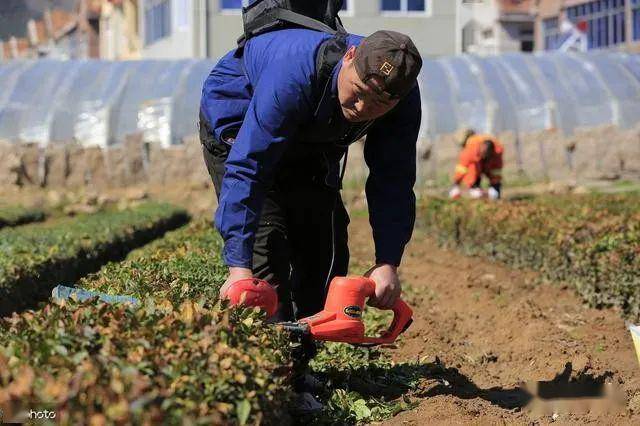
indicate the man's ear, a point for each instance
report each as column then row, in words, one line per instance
column 349, row 55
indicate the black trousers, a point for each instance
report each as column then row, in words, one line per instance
column 301, row 241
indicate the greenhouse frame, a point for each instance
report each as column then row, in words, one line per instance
column 100, row 103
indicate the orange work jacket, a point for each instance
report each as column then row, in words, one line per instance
column 470, row 167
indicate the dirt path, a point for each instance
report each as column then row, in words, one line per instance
column 485, row 328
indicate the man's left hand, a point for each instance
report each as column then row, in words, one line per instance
column 388, row 286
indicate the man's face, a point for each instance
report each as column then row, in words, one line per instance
column 361, row 101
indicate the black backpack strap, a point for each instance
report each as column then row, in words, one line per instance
column 329, row 54
column 276, row 17
column 269, row 15
column 303, row 21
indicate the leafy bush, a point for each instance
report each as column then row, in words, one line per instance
column 184, row 265
column 40, row 256
column 172, row 360
column 196, row 360
column 16, row 215
column 364, row 385
column 592, row 242
column 181, row 379
column 117, row 364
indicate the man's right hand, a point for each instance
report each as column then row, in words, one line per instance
column 235, row 274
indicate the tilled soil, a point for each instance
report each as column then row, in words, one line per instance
column 483, row 330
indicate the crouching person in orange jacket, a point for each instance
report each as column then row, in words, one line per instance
column 481, row 155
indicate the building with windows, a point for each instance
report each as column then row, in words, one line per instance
column 173, row 29
column 490, row 27
column 69, row 29
column 588, row 24
column 56, row 29
column 430, row 23
column 210, row 28
column 119, row 34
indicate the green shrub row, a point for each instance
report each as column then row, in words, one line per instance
column 184, row 265
column 17, row 215
column 591, row 241
column 37, row 257
column 177, row 358
column 364, row 384
column 154, row 364
column 193, row 359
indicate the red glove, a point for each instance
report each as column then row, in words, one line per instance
column 254, row 292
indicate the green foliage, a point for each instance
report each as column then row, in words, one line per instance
column 155, row 363
column 197, row 360
column 184, row 265
column 592, row 241
column 164, row 356
column 36, row 257
column 16, row 215
column 363, row 384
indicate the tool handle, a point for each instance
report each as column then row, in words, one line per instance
column 402, row 318
column 62, row 292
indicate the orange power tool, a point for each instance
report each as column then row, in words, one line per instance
column 341, row 318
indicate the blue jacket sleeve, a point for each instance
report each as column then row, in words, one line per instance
column 390, row 154
column 280, row 101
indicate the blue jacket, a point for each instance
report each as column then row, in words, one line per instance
column 268, row 97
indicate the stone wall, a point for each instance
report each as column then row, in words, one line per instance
column 601, row 153
column 72, row 166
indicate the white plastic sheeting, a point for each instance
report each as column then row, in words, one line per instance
column 83, row 111
column 532, row 109
column 439, row 112
column 471, row 102
column 622, row 87
column 30, row 99
column 97, row 103
column 529, row 93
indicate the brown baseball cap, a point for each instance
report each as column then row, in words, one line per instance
column 393, row 57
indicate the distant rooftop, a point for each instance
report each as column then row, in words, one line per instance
column 14, row 14
column 516, row 6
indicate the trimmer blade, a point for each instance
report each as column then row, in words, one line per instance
column 295, row 327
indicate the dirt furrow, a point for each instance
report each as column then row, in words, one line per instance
column 486, row 329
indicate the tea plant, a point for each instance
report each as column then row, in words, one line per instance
column 17, row 215
column 39, row 256
column 592, row 242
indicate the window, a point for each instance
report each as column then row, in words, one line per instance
column 157, row 20
column 551, row 33
column 469, row 35
column 181, row 11
column 526, row 36
column 403, row 6
column 234, row 4
column 603, row 21
column 347, row 7
column 635, row 16
column 526, row 45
